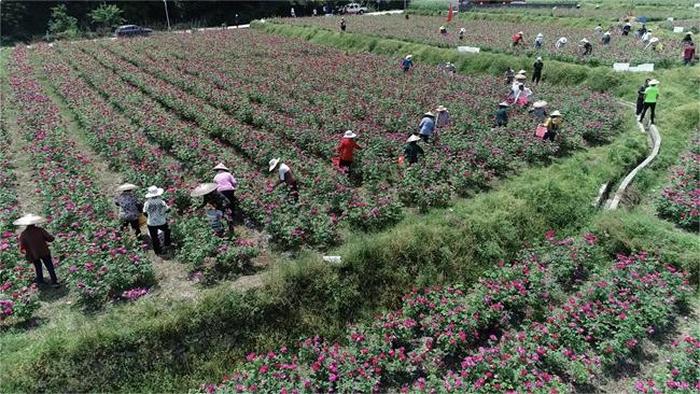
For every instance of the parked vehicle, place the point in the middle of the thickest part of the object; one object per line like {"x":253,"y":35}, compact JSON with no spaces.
{"x":354,"y":8}
{"x":132,"y":30}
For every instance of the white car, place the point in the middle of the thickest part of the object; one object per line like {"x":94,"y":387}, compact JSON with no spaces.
{"x":354,"y":8}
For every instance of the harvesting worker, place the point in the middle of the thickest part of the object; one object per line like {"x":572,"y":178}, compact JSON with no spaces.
{"x":214,"y":207}
{"x":33,"y":243}
{"x":462,"y":31}
{"x":517,"y":38}
{"x":606,"y":38}
{"x":539,"y":110}
{"x":587,"y":47}
{"x":343,"y":24}
{"x":346,"y":150}
{"x":640,"y":96}
{"x":411,"y":150}
{"x":226,"y":184}
{"x":156,"y":211}
{"x":626,"y":29}
{"x":426,"y":127}
{"x":539,"y":40}
{"x":537,"y":70}
{"x":651,"y":94}
{"x":407,"y":63}
{"x":510,"y":75}
{"x":502,"y":115}
{"x":553,"y":124}
{"x":561,"y":43}
{"x":285,"y":176}
{"x":129,"y":208}
{"x":689,"y":53}
{"x":443,"y":117}
{"x":443,"y":30}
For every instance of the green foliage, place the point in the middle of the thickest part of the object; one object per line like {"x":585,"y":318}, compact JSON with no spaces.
{"x":61,"y":24}
{"x":107,"y":16}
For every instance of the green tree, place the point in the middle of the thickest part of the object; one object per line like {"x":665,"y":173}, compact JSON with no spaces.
{"x":61,"y":24}
{"x":107,"y":17}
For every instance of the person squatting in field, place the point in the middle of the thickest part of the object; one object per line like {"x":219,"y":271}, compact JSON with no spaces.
{"x":285,"y":176}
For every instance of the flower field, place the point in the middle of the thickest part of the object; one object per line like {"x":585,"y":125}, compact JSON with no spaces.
{"x":495,"y":35}
{"x":177,"y":88}
{"x":680,"y":200}
{"x":548,"y":322}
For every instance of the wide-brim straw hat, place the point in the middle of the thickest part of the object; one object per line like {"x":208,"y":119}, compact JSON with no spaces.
{"x":412,"y":138}
{"x":522,"y":72}
{"x":503,"y":104}
{"x":29,"y":219}
{"x":349,"y":134}
{"x":203,"y":189}
{"x":409,"y":57}
{"x":126,"y":187}
{"x":441,"y":108}
{"x":653,"y":82}
{"x":222,"y":167}
{"x":273,"y":163}
{"x":520,"y":76}
{"x":539,"y":58}
{"x":539,"y":104}
{"x":520,"y":33}
{"x":584,"y":40}
{"x":429,"y":113}
{"x":154,"y":191}
{"x":555,"y":113}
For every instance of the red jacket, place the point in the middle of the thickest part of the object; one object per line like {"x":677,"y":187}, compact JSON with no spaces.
{"x":347,"y":148}
{"x":688,"y":52}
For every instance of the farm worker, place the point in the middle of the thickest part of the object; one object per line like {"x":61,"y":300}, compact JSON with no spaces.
{"x":443,"y":30}
{"x":347,"y":148}
{"x":129,"y":208}
{"x":515,"y":87}
{"x":689,"y":53}
{"x":407,"y":63}
{"x":214,"y":205}
{"x":517,"y":38}
{"x":315,"y":12}
{"x":539,"y":40}
{"x":510,"y":75}
{"x":411,"y":151}
{"x":642,"y":31}
{"x":561,"y":43}
{"x":156,"y":211}
{"x":33,"y":242}
{"x":523,"y":95}
{"x":285,"y":176}
{"x":502,"y":115}
{"x":651,"y":94}
{"x":537,"y":70}
{"x":450,"y":68}
{"x":539,"y":110}
{"x":606,"y":38}
{"x":598,"y":28}
{"x":462,"y":31}
{"x":426,"y":126}
{"x":640,"y":96}
{"x":343,"y":24}
{"x":443,"y":117}
{"x":646,"y":37}
{"x":653,"y":43}
{"x":553,"y":123}
{"x":226,"y":184}
{"x":587,"y":47}
{"x":294,"y":14}
{"x":626,"y":29}
{"x":688,"y":38}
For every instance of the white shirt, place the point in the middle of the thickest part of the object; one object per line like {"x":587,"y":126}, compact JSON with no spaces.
{"x":561,"y":42}
{"x":284,"y":169}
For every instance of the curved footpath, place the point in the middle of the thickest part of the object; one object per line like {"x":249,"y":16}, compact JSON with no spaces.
{"x":655,"y":136}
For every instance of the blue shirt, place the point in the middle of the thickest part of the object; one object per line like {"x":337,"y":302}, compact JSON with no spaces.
{"x":427,"y":126}
{"x":215,"y":216}
{"x":407,"y":64}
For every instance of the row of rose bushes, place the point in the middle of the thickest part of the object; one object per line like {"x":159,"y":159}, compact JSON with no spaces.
{"x":129,"y":151}
{"x":495,"y":34}
{"x":680,"y":373}
{"x":385,"y":110}
{"x":550,"y":321}
{"x":18,"y":293}
{"x":90,"y":254}
{"x":680,"y":200}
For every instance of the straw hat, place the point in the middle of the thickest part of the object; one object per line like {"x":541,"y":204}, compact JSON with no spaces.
{"x":539,"y":58}
{"x":522,"y":72}
{"x":29,"y":219}
{"x":584,"y":40}
{"x":442,"y":27}
{"x":154,"y":191}
{"x":607,"y":33}
{"x":126,"y":186}
{"x":441,"y":108}
{"x":539,"y":104}
{"x":429,"y":113}
{"x":221,"y":167}
{"x":520,"y":33}
{"x":555,"y":113}
{"x":653,"y":82}
{"x":273,"y":163}
{"x":520,"y":76}
{"x":349,"y":134}
{"x":409,"y":57}
{"x":503,"y":104}
{"x":463,"y":30}
{"x":540,"y":35}
{"x":203,"y":189}
{"x":412,"y":138}
{"x":564,"y":40}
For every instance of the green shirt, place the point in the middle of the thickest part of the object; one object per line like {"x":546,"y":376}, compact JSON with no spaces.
{"x":650,"y":94}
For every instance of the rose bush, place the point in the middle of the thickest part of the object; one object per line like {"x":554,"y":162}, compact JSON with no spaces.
{"x":680,"y":200}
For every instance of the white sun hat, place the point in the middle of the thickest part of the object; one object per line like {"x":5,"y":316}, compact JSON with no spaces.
{"x":540,"y":35}
{"x":154,"y":191}
{"x":556,"y":113}
{"x":520,"y":76}
{"x":539,"y":104}
{"x":273,"y":163}
{"x":409,"y":57}
{"x":126,"y":186}
{"x":442,"y":27}
{"x":349,"y":134}
{"x":653,"y":82}
{"x":521,"y":33}
{"x":584,"y":40}
{"x":412,"y":138}
{"x":29,"y":219}
{"x":503,"y":104}
{"x":441,"y":108}
{"x":429,"y":113}
{"x":522,"y":71}
{"x":203,"y":189}
{"x":539,"y":58}
{"x":462,"y":29}
{"x":222,"y":167}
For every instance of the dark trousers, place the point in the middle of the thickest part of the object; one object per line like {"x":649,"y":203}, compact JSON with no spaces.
{"x":233,"y":210}
{"x":134,"y":225}
{"x":48,"y":262}
{"x":293,"y":190}
{"x":640,"y":105}
{"x":425,"y":138}
{"x":550,"y":135}
{"x":153,"y":232}
{"x":536,"y":77}
{"x":644,"y":111}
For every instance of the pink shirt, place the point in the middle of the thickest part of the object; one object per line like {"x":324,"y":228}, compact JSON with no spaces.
{"x":225,"y":181}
